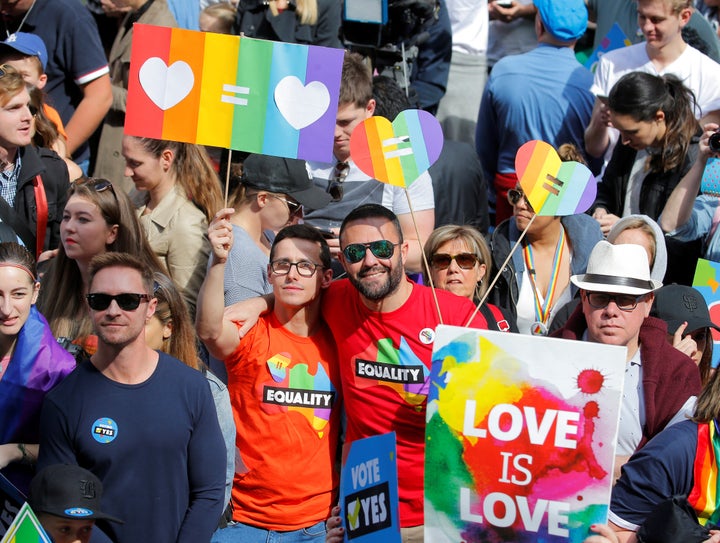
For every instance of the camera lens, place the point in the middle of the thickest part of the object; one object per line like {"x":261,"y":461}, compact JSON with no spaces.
{"x":714,"y":142}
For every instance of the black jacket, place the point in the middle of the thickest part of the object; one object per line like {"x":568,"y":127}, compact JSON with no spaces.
{"x":54,"y":175}
{"x":656,"y":187}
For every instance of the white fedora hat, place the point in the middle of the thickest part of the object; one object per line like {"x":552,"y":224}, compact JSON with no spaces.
{"x":617,"y":268}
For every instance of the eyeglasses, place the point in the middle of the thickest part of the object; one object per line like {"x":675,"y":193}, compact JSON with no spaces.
{"x":127,"y":301}
{"x":466,"y":261}
{"x":335,"y":183}
{"x":624,"y":302}
{"x":514,"y":196}
{"x":382,"y":249}
{"x":294,"y":207}
{"x":305,"y":268}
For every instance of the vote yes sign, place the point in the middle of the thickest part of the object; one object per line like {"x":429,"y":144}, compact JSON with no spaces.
{"x":520,"y":439}
{"x":240,"y":93}
{"x":368,"y":490}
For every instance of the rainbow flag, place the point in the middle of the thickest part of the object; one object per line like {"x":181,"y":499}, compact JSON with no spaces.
{"x":705,"y":494}
{"x":235,"y":92}
{"x":26,"y":528}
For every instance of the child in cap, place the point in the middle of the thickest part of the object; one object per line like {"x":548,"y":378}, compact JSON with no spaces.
{"x":28,"y":55}
{"x":66,"y":500}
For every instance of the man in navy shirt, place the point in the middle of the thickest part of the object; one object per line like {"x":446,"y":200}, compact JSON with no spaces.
{"x":143,"y":422}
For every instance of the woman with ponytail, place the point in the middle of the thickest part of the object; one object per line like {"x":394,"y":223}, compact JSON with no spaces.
{"x":659,"y":137}
{"x":183,"y":194}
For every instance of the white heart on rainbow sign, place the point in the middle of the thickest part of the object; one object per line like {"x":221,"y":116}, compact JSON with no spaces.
{"x":165,"y":85}
{"x":301,"y":105}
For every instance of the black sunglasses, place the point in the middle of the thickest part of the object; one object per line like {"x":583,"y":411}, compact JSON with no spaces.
{"x":442,"y":261}
{"x":127,"y":301}
{"x":514,"y":196}
{"x":335,"y":183}
{"x":382,"y":249}
{"x":624,"y":302}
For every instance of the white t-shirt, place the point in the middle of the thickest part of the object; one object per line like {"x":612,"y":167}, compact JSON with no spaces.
{"x":469,"y":21}
{"x":697,"y":71}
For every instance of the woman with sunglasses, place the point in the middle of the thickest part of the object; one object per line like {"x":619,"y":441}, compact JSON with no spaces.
{"x":182,"y":195}
{"x":536,"y":280}
{"x":272,"y":192}
{"x":459,"y":258}
{"x":31,"y":363}
{"x":96,"y":219}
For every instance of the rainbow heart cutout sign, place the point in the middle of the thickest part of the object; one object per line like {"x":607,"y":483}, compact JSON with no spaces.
{"x":399,"y":152}
{"x":553,"y":187}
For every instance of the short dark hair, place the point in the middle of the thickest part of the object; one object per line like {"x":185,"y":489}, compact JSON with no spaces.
{"x":303,"y":231}
{"x":372,"y":211}
{"x":121,"y":260}
{"x":390,"y":99}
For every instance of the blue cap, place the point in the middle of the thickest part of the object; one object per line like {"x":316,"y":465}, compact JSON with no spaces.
{"x":566,"y":20}
{"x":28,"y":44}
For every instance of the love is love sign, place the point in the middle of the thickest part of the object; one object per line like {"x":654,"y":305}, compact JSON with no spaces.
{"x":520,"y":437}
{"x":229,"y":91}
{"x":553,"y":187}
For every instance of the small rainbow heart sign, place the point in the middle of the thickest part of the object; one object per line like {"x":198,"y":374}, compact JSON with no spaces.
{"x":399,"y":152}
{"x":553,"y":187}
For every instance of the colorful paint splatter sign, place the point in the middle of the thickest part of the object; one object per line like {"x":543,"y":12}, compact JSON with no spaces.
{"x":521,"y":434}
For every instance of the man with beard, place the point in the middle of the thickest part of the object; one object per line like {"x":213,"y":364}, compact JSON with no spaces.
{"x":384,"y":326}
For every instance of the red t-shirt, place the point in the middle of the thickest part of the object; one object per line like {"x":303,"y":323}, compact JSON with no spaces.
{"x":385,"y":361}
{"x":285,"y":394}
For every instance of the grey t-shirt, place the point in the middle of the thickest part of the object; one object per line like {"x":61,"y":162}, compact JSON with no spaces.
{"x":246,"y":269}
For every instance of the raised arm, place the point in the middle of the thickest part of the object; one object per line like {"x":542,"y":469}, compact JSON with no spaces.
{"x":216,"y":331}
{"x":679,"y":206}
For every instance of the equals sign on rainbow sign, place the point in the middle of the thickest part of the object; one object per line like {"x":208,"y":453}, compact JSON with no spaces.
{"x":239,"y":93}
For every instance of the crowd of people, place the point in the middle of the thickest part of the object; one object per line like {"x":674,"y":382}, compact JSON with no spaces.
{"x":176,"y":369}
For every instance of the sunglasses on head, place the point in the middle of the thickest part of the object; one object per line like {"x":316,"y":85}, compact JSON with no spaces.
{"x":127,"y":301}
{"x":515,"y":195}
{"x":466,"y":261}
{"x":382,"y":249}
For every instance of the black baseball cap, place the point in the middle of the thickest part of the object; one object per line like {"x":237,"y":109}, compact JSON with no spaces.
{"x":676,"y":304}
{"x":67,"y":491}
{"x":286,"y":176}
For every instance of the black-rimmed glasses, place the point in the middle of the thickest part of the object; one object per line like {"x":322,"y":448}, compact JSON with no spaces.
{"x":305,"y":268}
{"x":624,"y":302}
{"x":127,"y":301}
{"x":335,"y":183}
{"x":381,"y":248}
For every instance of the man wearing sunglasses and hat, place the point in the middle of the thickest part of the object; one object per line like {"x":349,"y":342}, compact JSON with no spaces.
{"x":143,"y":422}
{"x":661,"y":383}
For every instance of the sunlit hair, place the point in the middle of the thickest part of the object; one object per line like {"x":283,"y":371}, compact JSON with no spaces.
{"x":305,"y":10}
{"x":14,"y":254}
{"x":641,"y":95}
{"x":11,"y":83}
{"x":193,"y":170}
{"x":568,"y":152}
{"x":171,"y":309}
{"x":372,"y":211}
{"x":113,"y":259}
{"x":308,"y":233}
{"x":46,"y":133}
{"x":637,"y":223}
{"x":356,"y":84}
{"x":707,"y":407}
{"x":61,"y":298}
{"x":676,"y":6}
{"x":473,"y":240}
{"x":223,"y":12}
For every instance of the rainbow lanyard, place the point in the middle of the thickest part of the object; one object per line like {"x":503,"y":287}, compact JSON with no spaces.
{"x":542,"y":310}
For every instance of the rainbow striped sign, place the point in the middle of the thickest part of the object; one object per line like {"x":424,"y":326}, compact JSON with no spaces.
{"x":240,"y":93}
{"x":26,"y":528}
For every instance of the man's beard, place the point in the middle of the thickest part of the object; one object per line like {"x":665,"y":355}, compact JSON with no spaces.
{"x":377,"y":292}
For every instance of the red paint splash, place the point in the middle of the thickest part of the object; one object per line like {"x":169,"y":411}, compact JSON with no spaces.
{"x":590,"y":381}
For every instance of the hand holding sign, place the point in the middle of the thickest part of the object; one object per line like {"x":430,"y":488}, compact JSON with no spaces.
{"x":553,"y":187}
{"x":399,"y":152}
